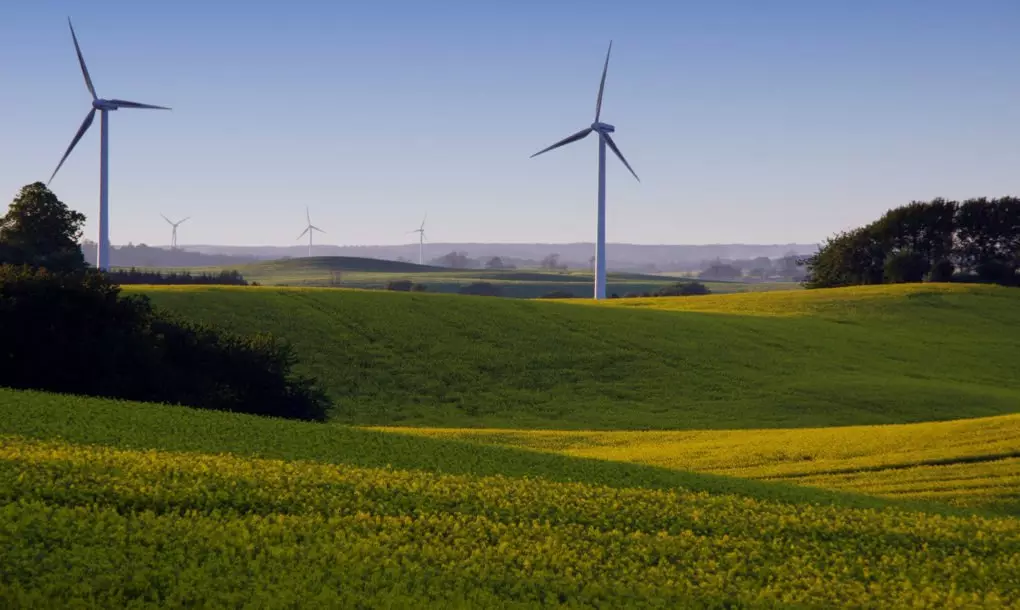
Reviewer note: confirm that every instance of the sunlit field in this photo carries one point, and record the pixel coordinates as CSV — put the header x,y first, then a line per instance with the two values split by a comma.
x,y
122,503
971,462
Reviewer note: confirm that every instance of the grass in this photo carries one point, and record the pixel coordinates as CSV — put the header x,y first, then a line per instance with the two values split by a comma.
x,y
970,462
873,355
367,273
112,504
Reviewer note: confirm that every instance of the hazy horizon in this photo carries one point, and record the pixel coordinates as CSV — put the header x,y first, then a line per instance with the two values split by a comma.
x,y
747,123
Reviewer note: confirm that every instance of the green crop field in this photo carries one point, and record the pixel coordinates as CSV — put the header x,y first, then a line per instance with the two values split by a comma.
x,y
114,504
367,273
872,355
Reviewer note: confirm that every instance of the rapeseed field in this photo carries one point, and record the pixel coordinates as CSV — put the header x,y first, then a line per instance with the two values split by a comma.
x,y
972,462
116,527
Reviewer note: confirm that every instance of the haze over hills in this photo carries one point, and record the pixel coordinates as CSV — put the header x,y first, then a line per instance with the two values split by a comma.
x,y
666,257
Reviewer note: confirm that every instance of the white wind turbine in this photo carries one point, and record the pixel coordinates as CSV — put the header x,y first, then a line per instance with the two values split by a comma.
x,y
421,239
603,129
104,106
173,238
310,229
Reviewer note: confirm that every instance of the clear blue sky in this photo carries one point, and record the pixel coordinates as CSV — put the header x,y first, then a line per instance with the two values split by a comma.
x,y
748,121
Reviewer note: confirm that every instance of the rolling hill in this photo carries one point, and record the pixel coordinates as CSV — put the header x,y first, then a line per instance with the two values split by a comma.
x,y
368,273
968,462
872,355
119,504
113,503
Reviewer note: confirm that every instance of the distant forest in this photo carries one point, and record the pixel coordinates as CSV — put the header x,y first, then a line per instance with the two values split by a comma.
x,y
148,256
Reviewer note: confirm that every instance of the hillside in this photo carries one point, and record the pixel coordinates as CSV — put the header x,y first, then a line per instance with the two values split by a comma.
x,y
350,272
124,504
969,462
886,354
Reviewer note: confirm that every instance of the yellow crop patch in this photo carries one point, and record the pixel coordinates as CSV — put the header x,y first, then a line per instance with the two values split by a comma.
x,y
972,462
120,526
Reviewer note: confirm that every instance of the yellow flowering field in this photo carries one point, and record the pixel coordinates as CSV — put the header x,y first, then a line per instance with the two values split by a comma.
x,y
852,301
104,527
971,462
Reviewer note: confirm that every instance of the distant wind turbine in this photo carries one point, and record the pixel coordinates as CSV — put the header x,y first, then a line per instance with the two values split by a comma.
x,y
173,238
603,129
421,239
310,229
104,106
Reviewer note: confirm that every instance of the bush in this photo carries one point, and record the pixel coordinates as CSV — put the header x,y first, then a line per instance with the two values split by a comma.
x,y
400,285
484,289
942,271
419,288
75,333
683,289
905,266
559,294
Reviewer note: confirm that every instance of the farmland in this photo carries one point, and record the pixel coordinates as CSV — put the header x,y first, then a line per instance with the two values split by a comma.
x,y
970,462
756,450
122,503
366,273
785,359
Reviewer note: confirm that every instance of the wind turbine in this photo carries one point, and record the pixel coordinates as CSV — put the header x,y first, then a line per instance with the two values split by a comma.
x,y
310,229
104,106
173,239
603,129
421,239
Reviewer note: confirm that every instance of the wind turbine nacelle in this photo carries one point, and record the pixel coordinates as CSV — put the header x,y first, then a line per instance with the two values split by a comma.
x,y
101,104
603,127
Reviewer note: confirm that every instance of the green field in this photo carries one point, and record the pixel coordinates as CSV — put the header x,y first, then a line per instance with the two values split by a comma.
x,y
108,503
886,354
367,273
832,448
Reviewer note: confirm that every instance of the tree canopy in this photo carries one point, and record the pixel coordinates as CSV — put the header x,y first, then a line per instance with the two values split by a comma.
x,y
41,231
925,240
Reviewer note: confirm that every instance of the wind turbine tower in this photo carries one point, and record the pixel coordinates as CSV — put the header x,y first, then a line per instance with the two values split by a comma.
x,y
421,239
104,107
603,129
309,229
173,238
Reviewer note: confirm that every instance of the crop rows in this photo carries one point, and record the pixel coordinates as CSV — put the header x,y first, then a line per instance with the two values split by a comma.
x,y
115,526
973,463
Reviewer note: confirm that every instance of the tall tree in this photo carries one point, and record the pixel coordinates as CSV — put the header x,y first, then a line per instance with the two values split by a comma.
x,y
39,230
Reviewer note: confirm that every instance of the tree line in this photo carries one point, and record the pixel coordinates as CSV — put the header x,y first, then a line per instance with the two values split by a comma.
x,y
140,276
65,327
938,241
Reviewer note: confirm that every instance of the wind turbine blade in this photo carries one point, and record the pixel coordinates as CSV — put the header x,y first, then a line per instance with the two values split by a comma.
x,y
127,104
81,61
303,233
167,220
422,227
602,85
81,131
308,216
574,138
616,150
182,221
317,229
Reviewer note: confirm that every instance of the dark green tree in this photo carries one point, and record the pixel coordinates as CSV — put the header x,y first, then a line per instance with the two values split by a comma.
x,y
847,259
905,266
40,231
